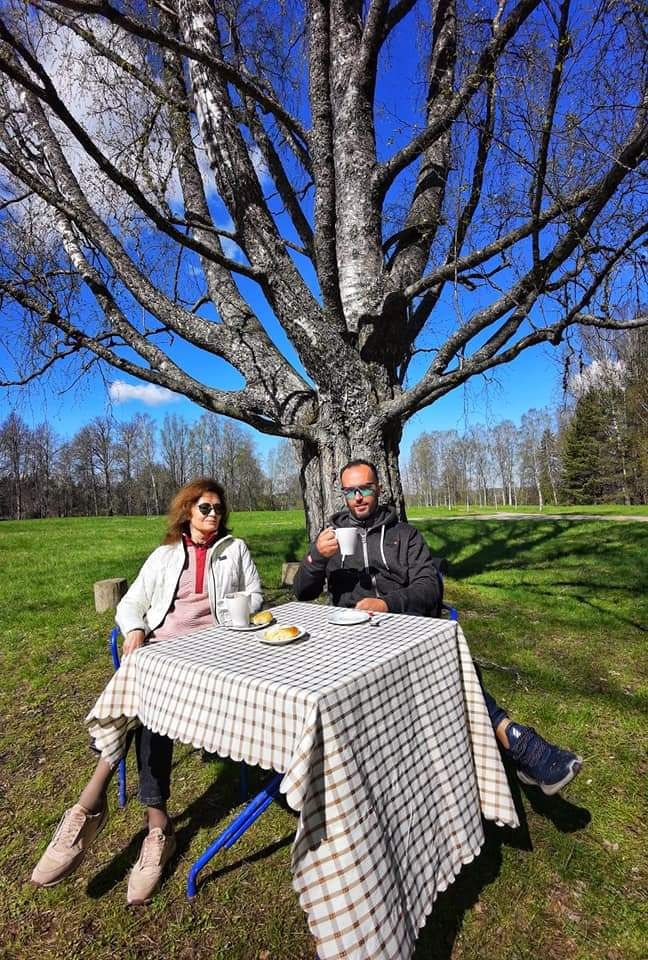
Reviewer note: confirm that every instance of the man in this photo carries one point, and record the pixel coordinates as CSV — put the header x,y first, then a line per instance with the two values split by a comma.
x,y
392,570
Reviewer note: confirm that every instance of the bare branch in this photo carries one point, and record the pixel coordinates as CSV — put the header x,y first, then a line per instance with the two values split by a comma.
x,y
562,49
138,28
386,174
48,95
592,198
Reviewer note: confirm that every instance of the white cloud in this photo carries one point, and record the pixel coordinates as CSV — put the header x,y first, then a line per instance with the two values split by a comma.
x,y
149,394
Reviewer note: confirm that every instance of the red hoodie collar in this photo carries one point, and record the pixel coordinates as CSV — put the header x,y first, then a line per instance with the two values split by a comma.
x,y
200,546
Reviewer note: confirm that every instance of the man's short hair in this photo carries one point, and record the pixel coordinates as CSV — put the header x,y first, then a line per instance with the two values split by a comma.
x,y
360,463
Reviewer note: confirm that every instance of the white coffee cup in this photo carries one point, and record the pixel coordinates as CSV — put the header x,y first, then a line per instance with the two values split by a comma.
x,y
347,538
238,607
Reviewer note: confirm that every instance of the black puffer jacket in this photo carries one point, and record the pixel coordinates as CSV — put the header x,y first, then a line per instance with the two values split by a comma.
x,y
391,561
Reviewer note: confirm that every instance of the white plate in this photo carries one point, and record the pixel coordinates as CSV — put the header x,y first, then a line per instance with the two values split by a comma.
x,y
283,640
250,626
344,618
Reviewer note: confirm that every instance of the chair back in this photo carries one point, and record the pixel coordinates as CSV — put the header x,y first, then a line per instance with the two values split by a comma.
x,y
113,643
443,608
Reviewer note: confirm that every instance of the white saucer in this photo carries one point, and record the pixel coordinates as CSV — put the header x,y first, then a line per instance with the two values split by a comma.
x,y
250,626
283,640
344,618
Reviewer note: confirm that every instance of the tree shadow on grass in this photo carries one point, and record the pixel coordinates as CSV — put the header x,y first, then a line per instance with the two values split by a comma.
x,y
501,544
443,926
438,937
205,812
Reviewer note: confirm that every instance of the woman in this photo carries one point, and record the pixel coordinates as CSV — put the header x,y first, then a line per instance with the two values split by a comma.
x,y
179,590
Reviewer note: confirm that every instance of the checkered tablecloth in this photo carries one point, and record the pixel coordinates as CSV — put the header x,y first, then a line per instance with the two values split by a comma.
x,y
384,739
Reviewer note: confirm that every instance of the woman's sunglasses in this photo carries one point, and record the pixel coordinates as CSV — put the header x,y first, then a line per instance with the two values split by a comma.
x,y
206,509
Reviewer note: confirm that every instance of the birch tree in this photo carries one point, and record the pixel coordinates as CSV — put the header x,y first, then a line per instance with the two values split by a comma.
x,y
358,206
505,451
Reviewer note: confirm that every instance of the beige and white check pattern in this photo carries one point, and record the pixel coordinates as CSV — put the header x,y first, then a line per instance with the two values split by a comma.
x,y
386,746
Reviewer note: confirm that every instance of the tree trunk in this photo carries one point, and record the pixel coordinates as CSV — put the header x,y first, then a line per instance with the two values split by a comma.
x,y
322,460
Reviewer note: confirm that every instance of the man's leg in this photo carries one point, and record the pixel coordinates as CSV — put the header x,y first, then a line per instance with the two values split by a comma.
x,y
497,714
154,759
537,761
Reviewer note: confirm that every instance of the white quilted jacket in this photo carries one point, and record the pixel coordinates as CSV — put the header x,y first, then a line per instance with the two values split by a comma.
x,y
147,602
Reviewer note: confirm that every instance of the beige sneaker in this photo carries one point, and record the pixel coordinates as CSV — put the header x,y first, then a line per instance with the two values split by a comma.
x,y
157,849
68,846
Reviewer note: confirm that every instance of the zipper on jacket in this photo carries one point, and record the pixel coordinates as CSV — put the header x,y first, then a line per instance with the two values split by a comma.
x,y
216,554
365,556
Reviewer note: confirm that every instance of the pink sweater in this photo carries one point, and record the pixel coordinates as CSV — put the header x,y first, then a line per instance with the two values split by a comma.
x,y
190,610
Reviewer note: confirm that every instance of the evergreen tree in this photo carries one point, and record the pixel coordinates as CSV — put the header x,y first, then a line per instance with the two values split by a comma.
x,y
590,462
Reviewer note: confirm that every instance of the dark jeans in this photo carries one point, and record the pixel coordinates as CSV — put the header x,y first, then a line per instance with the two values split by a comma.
x,y
154,759
495,712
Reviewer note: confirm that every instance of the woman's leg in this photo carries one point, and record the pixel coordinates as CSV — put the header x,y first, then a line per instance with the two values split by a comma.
x,y
154,759
93,795
77,829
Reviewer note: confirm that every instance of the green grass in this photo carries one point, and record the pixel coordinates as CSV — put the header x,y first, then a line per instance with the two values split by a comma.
x,y
563,603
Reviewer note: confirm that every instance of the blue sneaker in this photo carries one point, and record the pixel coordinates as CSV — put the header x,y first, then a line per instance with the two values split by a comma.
x,y
538,762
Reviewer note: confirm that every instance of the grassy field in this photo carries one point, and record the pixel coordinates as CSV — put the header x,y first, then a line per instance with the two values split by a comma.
x,y
562,603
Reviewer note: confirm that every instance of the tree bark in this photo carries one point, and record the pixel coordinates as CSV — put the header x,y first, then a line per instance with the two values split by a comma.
x,y
322,460
240,185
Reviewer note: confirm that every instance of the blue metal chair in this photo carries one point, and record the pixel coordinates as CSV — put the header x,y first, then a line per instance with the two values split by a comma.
x,y
443,608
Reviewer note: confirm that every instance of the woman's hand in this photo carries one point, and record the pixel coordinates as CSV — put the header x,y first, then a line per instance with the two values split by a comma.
x,y
134,639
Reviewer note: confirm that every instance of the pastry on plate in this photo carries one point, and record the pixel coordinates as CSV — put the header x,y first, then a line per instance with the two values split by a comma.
x,y
282,633
263,616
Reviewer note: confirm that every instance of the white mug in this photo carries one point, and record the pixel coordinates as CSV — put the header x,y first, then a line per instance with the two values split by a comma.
x,y
238,607
347,537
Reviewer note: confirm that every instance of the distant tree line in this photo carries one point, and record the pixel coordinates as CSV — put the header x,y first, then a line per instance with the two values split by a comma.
x,y
594,450
134,467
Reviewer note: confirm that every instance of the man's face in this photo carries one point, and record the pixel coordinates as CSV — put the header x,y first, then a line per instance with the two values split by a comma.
x,y
361,490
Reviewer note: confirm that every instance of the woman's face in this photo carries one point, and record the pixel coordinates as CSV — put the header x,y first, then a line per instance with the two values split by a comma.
x,y
203,524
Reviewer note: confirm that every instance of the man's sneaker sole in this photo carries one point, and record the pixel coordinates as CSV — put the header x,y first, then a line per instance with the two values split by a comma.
x,y
551,788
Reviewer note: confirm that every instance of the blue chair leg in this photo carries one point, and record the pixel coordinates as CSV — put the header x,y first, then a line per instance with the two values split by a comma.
x,y
121,782
235,830
121,767
114,648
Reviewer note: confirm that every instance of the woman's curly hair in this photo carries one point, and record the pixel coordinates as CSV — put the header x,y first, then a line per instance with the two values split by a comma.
x,y
182,504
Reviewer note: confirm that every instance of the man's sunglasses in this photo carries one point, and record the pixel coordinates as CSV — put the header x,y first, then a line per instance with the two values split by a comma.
x,y
369,490
206,509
